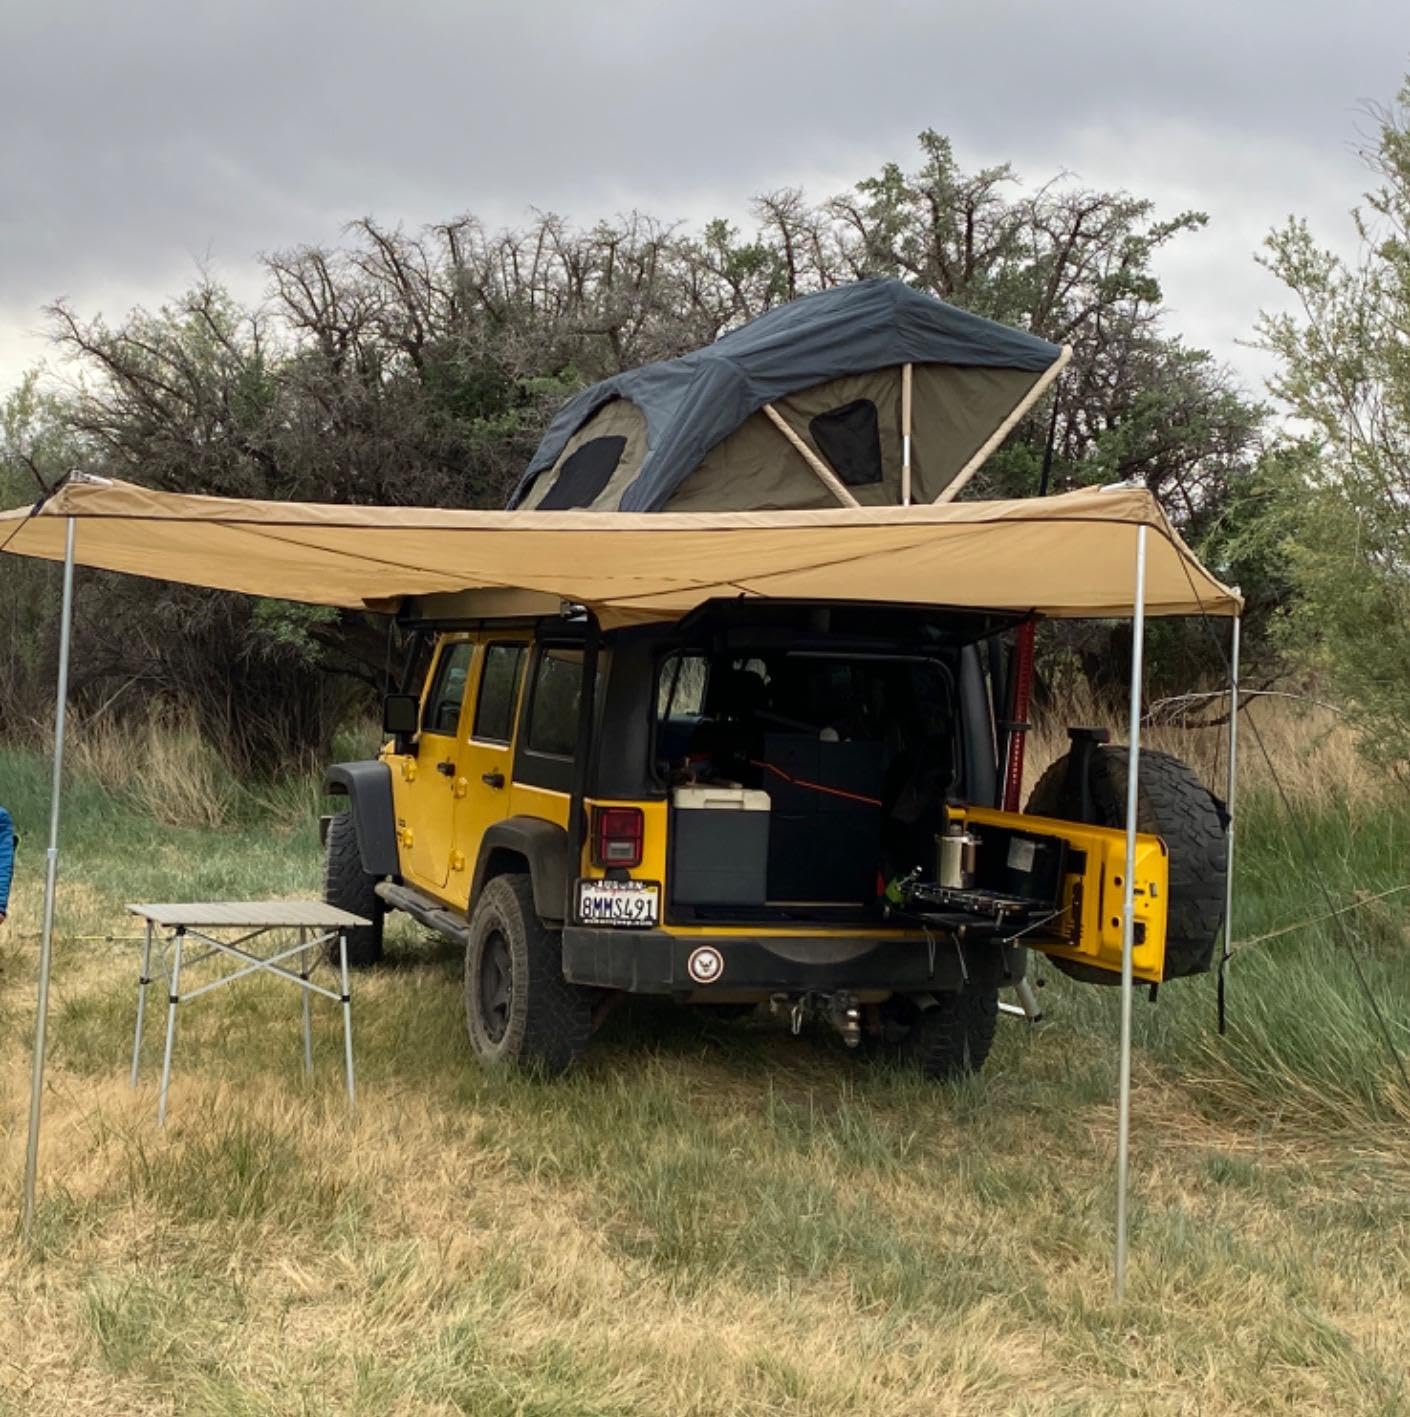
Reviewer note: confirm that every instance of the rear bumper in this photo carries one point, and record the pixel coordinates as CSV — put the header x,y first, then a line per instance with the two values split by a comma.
x,y
657,962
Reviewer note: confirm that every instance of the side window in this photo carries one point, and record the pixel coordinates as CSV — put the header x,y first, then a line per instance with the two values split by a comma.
x,y
499,691
416,661
583,477
850,439
680,690
553,713
441,713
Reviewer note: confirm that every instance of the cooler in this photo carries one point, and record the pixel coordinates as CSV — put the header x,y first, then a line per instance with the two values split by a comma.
x,y
719,846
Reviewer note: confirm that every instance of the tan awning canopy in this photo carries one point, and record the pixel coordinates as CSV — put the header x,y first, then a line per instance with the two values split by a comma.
x,y
1070,556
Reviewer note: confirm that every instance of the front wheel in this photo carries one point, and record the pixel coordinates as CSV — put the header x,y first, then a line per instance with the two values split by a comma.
x,y
519,1009
348,887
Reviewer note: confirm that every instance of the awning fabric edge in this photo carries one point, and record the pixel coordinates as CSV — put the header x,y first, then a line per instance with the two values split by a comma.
x,y
1070,555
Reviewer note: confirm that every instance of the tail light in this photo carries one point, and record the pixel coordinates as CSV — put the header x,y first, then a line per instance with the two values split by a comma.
x,y
616,836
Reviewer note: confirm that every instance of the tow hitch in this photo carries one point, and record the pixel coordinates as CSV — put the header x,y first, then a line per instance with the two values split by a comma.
x,y
841,1010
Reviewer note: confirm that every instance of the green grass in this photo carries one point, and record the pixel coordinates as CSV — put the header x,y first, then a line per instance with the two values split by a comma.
x,y
708,1217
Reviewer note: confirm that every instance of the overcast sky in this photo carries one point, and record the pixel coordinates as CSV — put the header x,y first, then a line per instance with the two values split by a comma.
x,y
139,139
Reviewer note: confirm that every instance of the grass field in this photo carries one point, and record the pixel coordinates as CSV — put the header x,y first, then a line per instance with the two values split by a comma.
x,y
707,1218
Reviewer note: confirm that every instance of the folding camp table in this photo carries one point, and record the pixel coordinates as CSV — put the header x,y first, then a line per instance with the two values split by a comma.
x,y
254,921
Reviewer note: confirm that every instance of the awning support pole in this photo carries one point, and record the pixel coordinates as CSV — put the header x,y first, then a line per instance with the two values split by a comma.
x,y
1230,791
823,472
1128,911
906,434
51,877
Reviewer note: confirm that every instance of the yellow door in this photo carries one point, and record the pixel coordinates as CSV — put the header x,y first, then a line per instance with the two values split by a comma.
x,y
486,756
1088,929
425,796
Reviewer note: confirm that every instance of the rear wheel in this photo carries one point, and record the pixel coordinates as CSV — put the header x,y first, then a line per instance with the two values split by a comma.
x,y
1176,806
518,1007
348,887
951,1037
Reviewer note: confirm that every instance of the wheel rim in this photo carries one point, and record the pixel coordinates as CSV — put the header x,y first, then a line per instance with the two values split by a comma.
x,y
496,986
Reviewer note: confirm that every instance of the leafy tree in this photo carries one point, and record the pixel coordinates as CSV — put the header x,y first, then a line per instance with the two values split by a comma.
x,y
36,450
1342,519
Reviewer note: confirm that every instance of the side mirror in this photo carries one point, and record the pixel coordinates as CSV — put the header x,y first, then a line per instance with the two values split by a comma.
x,y
401,718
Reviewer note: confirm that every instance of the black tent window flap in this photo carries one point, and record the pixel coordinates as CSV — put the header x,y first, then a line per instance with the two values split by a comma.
x,y
583,476
850,439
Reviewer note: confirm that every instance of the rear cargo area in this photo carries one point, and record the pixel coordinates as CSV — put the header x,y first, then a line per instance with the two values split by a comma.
x,y
803,778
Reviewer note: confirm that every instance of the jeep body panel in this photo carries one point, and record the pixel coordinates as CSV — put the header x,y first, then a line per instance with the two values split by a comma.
x,y
368,788
542,848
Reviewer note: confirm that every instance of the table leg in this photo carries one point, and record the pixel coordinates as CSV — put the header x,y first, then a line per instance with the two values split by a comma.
x,y
347,1012
143,980
173,998
304,973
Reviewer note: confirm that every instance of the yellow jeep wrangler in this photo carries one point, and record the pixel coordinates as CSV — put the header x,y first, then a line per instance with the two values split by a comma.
x,y
767,802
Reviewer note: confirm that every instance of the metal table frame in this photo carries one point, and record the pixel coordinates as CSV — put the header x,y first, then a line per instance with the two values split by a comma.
x,y
257,920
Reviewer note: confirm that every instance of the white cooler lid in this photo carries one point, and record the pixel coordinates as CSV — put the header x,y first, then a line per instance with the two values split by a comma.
x,y
736,799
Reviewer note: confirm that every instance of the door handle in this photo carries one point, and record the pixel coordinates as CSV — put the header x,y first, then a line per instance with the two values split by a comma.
x,y
492,779
446,769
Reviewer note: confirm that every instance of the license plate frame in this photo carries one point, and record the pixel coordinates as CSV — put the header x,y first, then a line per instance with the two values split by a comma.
x,y
625,905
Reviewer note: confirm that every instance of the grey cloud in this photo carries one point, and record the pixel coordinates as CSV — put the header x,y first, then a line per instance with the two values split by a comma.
x,y
139,138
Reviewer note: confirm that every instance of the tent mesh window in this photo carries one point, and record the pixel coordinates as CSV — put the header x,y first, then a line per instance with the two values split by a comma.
x,y
850,439
583,476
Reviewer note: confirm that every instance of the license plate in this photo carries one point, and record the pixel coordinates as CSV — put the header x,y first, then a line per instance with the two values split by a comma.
x,y
619,902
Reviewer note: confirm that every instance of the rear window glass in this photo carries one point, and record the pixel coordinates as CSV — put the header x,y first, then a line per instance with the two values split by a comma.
x,y
680,691
442,713
553,715
499,690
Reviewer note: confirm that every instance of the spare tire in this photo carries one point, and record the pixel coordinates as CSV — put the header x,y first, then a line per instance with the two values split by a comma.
x,y
1173,804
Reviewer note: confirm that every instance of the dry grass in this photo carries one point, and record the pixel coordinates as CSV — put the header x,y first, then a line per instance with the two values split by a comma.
x,y
163,766
709,1219
1309,746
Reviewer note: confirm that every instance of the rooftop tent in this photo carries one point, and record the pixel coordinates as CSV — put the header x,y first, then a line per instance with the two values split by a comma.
x,y
869,394
1069,555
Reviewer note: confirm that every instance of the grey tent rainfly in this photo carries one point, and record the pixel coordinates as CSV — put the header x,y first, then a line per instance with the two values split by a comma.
x,y
864,394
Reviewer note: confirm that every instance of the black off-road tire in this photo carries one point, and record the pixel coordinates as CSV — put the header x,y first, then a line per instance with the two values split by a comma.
x,y
538,1020
1176,806
348,887
951,1037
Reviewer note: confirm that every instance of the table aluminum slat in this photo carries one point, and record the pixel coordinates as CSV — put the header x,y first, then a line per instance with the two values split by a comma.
x,y
247,914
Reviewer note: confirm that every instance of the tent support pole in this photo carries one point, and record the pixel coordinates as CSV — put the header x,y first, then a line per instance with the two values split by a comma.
x,y
955,485
906,434
824,473
1230,792
51,877
1128,911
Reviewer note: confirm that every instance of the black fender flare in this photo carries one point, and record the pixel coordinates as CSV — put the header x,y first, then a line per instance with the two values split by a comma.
x,y
543,845
368,788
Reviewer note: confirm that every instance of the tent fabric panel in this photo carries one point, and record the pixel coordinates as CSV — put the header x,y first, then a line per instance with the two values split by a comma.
x,y
619,418
881,387
755,466
955,409
1071,555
